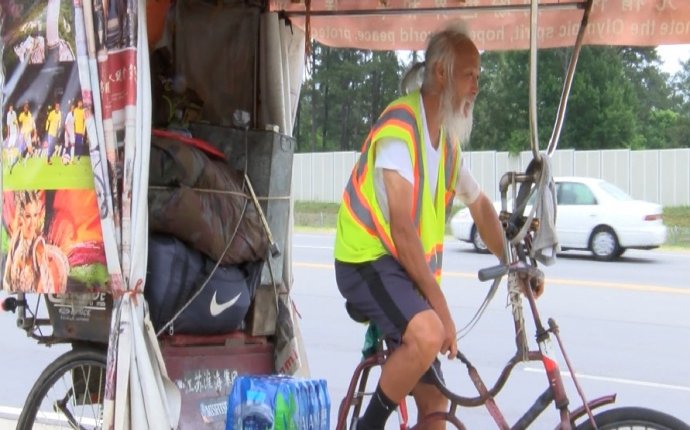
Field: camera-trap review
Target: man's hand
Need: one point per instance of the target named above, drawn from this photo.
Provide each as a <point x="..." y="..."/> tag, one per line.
<point x="537" y="284"/>
<point x="450" y="341"/>
<point x="535" y="277"/>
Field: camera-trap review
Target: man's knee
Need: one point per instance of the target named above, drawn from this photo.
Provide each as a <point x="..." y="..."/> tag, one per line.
<point x="424" y="332"/>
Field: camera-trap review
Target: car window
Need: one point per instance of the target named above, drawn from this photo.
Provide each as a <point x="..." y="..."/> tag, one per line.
<point x="572" y="193"/>
<point x="614" y="191"/>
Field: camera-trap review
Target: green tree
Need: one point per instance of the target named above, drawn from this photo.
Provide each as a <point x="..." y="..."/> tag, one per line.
<point x="620" y="98"/>
<point x="681" y="95"/>
<point x="345" y="92"/>
<point x="657" y="109"/>
<point x="601" y="108"/>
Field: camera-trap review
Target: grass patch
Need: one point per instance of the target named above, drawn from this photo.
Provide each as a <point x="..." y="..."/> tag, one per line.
<point x="36" y="174"/>
<point x="678" y="216"/>
<point x="317" y="207"/>
<point x="316" y="214"/>
<point x="677" y="220"/>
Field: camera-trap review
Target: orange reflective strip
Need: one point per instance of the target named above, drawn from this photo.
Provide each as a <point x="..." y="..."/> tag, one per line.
<point x="434" y="258"/>
<point x="365" y="208"/>
<point x="357" y="215"/>
<point x="401" y="116"/>
<point x="451" y="163"/>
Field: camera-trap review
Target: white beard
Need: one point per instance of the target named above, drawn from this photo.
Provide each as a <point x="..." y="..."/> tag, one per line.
<point x="457" y="123"/>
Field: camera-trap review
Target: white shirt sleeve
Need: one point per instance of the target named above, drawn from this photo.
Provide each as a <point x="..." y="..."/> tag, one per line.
<point x="390" y="154"/>
<point x="467" y="187"/>
<point x="393" y="154"/>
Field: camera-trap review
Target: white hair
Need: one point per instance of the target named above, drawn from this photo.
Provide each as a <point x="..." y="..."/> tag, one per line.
<point x="440" y="49"/>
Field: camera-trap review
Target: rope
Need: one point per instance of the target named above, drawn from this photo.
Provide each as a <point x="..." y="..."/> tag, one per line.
<point x="226" y="192"/>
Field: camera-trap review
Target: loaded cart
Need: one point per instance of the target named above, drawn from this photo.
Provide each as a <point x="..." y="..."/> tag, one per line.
<point x="146" y="188"/>
<point x="146" y="205"/>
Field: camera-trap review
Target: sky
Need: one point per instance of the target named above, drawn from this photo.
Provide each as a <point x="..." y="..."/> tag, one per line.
<point x="672" y="55"/>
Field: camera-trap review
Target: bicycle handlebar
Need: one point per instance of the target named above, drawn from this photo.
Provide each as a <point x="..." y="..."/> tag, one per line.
<point x="493" y="272"/>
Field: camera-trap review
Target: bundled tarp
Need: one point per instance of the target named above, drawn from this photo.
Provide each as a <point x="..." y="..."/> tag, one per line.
<point x="204" y="202"/>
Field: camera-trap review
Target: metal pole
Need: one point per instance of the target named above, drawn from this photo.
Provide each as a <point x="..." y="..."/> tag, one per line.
<point x="560" y="116"/>
<point x="533" y="35"/>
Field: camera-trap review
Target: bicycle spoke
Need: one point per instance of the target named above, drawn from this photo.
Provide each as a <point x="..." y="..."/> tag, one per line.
<point x="69" y="395"/>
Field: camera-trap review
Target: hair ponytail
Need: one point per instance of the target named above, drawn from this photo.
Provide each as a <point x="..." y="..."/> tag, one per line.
<point x="412" y="78"/>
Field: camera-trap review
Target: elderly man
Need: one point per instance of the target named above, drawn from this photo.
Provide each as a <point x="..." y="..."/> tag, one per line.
<point x="391" y="224"/>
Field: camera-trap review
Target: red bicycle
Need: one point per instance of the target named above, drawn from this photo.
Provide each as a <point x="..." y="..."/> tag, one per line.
<point x="523" y="278"/>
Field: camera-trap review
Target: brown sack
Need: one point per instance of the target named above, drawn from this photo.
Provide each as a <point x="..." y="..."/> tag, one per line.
<point x="200" y="201"/>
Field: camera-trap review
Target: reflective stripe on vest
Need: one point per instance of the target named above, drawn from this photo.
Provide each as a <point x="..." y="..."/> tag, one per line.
<point x="451" y="174"/>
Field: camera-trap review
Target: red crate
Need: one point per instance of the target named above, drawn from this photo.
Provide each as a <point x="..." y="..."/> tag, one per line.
<point x="204" y="367"/>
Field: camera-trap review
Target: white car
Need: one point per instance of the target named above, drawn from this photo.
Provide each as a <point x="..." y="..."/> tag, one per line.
<point x="594" y="215"/>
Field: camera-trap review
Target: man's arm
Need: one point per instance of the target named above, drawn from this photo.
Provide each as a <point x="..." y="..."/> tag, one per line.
<point x="487" y="222"/>
<point x="411" y="252"/>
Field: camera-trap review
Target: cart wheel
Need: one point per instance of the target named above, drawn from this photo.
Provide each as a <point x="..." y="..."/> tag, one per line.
<point x="69" y="392"/>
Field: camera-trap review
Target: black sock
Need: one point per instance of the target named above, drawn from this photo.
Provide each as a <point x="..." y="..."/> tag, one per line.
<point x="377" y="413"/>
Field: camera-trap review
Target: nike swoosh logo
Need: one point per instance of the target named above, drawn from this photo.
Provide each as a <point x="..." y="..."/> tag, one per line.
<point x="218" y="308"/>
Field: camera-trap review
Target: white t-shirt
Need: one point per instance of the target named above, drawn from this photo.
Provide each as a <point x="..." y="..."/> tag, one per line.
<point x="393" y="154"/>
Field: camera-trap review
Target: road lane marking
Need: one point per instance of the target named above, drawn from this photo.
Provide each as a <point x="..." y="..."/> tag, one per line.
<point x="552" y="281"/>
<point x="616" y="380"/>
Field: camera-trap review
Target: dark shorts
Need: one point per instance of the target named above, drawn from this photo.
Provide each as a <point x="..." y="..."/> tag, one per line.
<point x="382" y="291"/>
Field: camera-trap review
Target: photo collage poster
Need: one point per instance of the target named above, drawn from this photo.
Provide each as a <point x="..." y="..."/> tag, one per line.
<point x="51" y="238"/>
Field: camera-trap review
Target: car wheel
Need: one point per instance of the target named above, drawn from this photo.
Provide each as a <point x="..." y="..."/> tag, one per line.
<point x="604" y="244"/>
<point x="477" y="241"/>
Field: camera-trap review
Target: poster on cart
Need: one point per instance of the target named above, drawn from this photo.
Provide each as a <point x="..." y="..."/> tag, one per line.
<point x="51" y="238"/>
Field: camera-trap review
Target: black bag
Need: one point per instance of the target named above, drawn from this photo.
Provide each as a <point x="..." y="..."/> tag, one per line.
<point x="176" y="272"/>
<point x="172" y="272"/>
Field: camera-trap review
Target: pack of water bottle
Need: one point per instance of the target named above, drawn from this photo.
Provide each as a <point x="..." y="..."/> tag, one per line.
<point x="276" y="402"/>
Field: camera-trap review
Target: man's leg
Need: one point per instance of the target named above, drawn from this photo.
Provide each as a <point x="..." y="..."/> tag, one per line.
<point x="429" y="399"/>
<point x="421" y="343"/>
<point x="382" y="291"/>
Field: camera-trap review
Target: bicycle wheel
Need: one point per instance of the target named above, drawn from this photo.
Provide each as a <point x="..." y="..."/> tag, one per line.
<point x="633" y="418"/>
<point x="68" y="394"/>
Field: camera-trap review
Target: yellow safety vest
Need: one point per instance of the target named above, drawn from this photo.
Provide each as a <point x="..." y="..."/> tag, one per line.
<point x="363" y="234"/>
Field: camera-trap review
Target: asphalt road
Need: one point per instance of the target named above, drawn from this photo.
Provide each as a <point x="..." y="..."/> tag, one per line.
<point x="625" y="326"/>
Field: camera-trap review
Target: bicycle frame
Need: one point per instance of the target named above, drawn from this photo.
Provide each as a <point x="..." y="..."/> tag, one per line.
<point x="73" y="318"/>
<point x="28" y="319"/>
<point x="555" y="391"/>
<point x="522" y="274"/>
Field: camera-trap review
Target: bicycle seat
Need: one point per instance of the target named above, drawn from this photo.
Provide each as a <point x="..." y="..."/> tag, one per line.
<point x="355" y="314"/>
